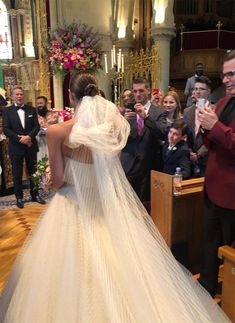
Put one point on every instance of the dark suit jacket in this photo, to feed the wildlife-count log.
(179, 156)
(12, 127)
(220, 170)
(198, 144)
(189, 88)
(140, 152)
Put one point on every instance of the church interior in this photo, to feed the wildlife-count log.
(160, 40)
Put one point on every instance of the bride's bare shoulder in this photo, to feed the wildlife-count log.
(60, 130)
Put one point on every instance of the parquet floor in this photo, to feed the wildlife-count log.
(15, 224)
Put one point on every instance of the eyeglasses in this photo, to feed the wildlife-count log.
(200, 89)
(229, 75)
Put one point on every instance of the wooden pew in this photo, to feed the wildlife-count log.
(179, 218)
(228, 285)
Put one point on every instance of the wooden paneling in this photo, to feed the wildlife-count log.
(179, 218)
(183, 63)
(228, 287)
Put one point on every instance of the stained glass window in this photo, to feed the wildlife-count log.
(5, 36)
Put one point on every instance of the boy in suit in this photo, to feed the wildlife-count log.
(176, 152)
(20, 125)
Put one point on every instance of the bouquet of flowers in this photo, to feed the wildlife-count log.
(66, 114)
(74, 47)
(42, 177)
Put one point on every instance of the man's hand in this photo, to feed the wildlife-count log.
(129, 114)
(207, 118)
(140, 110)
(26, 140)
(193, 157)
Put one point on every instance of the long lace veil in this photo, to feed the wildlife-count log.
(128, 252)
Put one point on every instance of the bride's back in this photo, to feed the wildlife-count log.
(60, 150)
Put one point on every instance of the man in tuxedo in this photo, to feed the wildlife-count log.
(198, 154)
(142, 152)
(219, 132)
(20, 125)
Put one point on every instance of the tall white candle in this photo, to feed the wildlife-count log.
(105, 63)
(119, 59)
(111, 58)
(114, 55)
(118, 62)
(122, 63)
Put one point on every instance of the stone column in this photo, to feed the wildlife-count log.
(162, 38)
(162, 34)
(14, 33)
(55, 17)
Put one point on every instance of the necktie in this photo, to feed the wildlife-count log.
(140, 125)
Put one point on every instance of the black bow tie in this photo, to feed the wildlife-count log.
(20, 107)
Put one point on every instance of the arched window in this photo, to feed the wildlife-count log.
(5, 36)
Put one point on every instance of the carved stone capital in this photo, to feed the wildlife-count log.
(125, 44)
(13, 13)
(21, 11)
(162, 33)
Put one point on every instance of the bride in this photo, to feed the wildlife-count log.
(95, 255)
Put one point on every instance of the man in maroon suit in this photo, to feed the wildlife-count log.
(219, 131)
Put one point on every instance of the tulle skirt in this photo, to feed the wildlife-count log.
(75, 269)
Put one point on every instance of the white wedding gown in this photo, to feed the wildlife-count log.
(95, 256)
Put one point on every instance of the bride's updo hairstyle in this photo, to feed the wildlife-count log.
(83, 85)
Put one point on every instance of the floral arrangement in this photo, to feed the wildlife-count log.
(42, 177)
(74, 47)
(66, 114)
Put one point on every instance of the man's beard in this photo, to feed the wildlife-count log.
(42, 111)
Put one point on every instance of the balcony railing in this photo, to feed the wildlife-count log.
(208, 39)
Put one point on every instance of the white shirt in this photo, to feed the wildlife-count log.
(146, 108)
(21, 115)
(197, 123)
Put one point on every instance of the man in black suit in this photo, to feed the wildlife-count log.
(20, 125)
(142, 152)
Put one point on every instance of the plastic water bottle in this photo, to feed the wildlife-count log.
(177, 182)
(196, 170)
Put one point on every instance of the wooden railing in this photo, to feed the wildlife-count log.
(207, 39)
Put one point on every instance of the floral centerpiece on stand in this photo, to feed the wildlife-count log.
(74, 47)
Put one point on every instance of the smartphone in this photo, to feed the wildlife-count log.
(156, 91)
(131, 106)
(200, 103)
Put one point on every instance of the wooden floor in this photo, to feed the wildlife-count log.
(15, 224)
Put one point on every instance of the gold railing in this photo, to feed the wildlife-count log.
(42, 34)
(143, 64)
